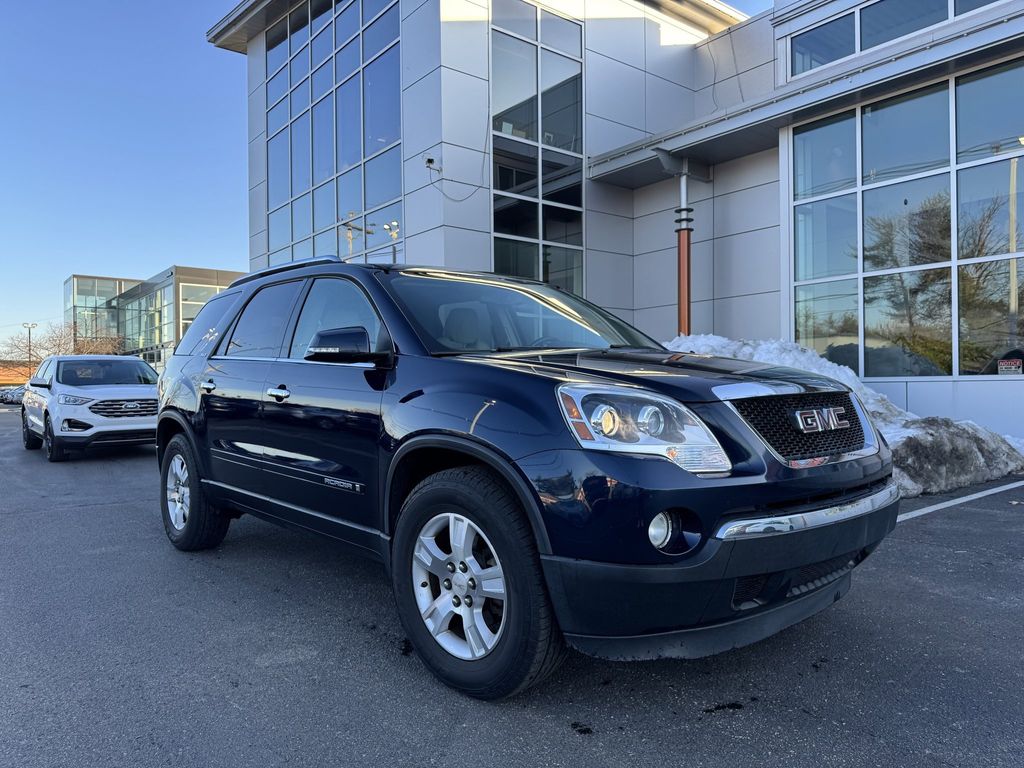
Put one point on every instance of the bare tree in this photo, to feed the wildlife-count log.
(58, 339)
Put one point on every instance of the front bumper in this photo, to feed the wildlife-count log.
(752, 579)
(68, 423)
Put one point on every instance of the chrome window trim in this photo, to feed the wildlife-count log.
(777, 525)
(289, 360)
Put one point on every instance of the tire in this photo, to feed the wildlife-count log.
(197, 524)
(525, 645)
(51, 445)
(29, 439)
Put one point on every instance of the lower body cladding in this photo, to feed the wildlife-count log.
(749, 577)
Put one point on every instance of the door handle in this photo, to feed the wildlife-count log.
(207, 386)
(279, 392)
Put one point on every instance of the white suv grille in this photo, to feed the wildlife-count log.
(115, 409)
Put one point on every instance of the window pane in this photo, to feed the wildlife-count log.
(323, 79)
(278, 174)
(303, 250)
(299, 26)
(277, 117)
(562, 225)
(300, 98)
(560, 33)
(346, 24)
(822, 44)
(515, 258)
(300, 66)
(563, 178)
(561, 102)
(991, 324)
(384, 177)
(380, 33)
(322, 46)
(279, 257)
(825, 237)
(301, 178)
(350, 238)
(889, 19)
(989, 198)
(383, 226)
(324, 212)
(381, 102)
(515, 217)
(515, 16)
(826, 321)
(907, 224)
(372, 7)
(261, 326)
(320, 13)
(906, 135)
(326, 244)
(515, 167)
(277, 48)
(514, 86)
(334, 303)
(277, 86)
(963, 6)
(825, 156)
(907, 324)
(563, 268)
(349, 124)
(347, 61)
(279, 228)
(302, 217)
(323, 140)
(990, 122)
(350, 194)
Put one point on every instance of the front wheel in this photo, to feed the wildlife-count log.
(190, 520)
(52, 447)
(469, 587)
(29, 439)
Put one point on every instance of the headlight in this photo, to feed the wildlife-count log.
(610, 418)
(73, 400)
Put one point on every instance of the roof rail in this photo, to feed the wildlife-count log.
(284, 268)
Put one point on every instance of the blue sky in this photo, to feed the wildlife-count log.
(122, 147)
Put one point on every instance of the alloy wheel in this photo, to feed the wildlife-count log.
(177, 492)
(459, 586)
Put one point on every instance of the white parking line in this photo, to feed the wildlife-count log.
(954, 502)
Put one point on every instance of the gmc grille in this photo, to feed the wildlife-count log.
(116, 409)
(772, 417)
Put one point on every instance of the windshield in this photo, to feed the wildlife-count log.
(89, 373)
(455, 313)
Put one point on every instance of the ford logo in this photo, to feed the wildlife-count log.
(132, 406)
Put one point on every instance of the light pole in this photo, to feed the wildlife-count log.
(29, 326)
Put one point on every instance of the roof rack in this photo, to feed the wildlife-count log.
(285, 267)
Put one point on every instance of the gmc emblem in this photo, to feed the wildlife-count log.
(820, 419)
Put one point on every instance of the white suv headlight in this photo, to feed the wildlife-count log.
(627, 420)
(73, 400)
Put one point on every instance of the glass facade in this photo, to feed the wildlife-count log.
(537, 144)
(334, 171)
(89, 307)
(909, 264)
(871, 24)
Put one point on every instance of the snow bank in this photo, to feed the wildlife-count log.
(931, 454)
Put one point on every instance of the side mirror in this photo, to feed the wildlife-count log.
(345, 345)
(40, 383)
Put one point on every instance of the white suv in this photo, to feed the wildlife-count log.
(75, 401)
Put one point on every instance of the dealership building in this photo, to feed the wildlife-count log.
(839, 173)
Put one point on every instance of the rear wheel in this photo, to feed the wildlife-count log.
(52, 446)
(29, 439)
(469, 587)
(190, 520)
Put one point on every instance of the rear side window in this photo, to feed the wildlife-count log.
(334, 303)
(203, 332)
(261, 327)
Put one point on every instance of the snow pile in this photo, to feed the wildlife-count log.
(931, 454)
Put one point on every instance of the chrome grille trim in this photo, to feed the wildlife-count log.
(116, 409)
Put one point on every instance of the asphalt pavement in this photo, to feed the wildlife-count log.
(279, 648)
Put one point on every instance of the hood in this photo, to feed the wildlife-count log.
(685, 376)
(113, 391)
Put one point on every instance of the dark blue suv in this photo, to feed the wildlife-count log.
(533, 472)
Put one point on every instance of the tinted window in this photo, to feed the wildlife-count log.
(334, 303)
(907, 324)
(261, 326)
(88, 373)
(990, 204)
(561, 102)
(204, 331)
(989, 121)
(384, 178)
(825, 237)
(515, 16)
(827, 321)
(822, 44)
(382, 97)
(350, 149)
(514, 86)
(825, 156)
(907, 223)
(889, 19)
(907, 134)
(560, 33)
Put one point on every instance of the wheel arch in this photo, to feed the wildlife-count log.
(172, 423)
(424, 455)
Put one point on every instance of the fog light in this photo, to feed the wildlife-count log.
(660, 530)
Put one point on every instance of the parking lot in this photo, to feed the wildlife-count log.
(279, 648)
